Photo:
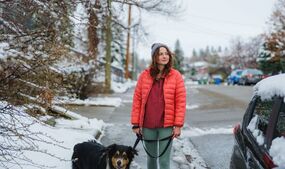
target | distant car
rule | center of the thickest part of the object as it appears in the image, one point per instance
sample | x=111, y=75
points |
x=260, y=139
x=217, y=79
x=250, y=76
x=233, y=78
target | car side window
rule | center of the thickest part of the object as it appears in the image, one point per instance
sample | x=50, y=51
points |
x=280, y=126
x=263, y=110
x=260, y=119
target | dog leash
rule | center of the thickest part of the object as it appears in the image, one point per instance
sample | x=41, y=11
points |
x=139, y=138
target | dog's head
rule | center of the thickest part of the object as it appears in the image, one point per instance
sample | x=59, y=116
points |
x=120, y=156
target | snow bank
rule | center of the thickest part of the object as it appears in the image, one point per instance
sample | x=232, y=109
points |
x=186, y=156
x=91, y=101
x=122, y=87
x=57, y=141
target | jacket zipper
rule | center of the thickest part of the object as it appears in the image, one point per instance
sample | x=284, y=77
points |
x=146, y=100
x=165, y=80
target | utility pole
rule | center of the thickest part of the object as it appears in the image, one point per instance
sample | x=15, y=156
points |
x=108, y=41
x=134, y=57
x=127, y=74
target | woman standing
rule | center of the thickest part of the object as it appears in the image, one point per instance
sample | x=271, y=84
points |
x=159, y=105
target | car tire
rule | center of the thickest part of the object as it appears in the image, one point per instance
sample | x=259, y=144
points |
x=232, y=165
x=235, y=161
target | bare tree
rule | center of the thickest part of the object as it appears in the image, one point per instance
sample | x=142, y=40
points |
x=237, y=53
x=15, y=133
x=252, y=49
x=33, y=38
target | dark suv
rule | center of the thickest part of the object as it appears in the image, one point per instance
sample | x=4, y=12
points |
x=262, y=129
x=250, y=76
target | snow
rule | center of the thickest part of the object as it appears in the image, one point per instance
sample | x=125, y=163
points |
x=69, y=65
x=199, y=64
x=183, y=152
x=122, y=87
x=270, y=86
x=252, y=126
x=6, y=52
x=80, y=20
x=193, y=131
x=3, y=47
x=59, y=140
x=92, y=101
x=277, y=151
x=190, y=107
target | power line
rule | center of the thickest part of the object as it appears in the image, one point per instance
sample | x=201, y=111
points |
x=222, y=21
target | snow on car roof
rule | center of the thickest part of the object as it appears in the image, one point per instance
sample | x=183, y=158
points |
x=271, y=86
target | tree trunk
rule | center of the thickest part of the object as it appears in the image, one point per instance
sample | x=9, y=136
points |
x=92, y=35
x=108, y=39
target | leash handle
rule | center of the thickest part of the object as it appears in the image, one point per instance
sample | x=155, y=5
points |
x=140, y=138
x=166, y=147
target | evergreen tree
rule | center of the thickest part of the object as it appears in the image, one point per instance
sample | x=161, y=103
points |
x=179, y=56
x=271, y=57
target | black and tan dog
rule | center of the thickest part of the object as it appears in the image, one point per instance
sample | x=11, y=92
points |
x=92, y=155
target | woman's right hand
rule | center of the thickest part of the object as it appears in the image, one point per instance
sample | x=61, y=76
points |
x=137, y=131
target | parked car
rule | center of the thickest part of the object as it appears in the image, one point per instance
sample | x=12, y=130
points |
x=260, y=139
x=250, y=76
x=233, y=78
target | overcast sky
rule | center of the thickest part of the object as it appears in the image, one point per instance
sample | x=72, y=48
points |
x=207, y=22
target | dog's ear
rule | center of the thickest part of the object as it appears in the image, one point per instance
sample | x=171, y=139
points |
x=111, y=147
x=133, y=151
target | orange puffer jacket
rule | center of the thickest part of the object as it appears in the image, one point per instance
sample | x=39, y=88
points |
x=174, y=97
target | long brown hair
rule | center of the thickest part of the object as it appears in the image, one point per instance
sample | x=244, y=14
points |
x=154, y=71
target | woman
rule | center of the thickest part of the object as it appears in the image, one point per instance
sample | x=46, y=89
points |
x=159, y=105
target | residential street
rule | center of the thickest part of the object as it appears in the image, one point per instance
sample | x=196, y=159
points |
x=217, y=108
x=220, y=108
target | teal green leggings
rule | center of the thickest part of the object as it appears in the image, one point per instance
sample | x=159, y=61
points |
x=154, y=147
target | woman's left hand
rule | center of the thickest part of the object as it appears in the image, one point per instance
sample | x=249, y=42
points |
x=176, y=132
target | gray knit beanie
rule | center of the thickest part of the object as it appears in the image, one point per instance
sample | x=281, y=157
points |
x=156, y=46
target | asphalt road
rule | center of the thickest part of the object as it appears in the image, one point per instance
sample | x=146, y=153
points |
x=219, y=107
